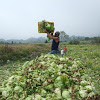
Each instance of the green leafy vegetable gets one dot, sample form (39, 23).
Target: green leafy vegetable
(48, 77)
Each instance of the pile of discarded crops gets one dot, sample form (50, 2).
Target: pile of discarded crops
(49, 77)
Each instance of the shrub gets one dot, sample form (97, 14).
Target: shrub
(74, 42)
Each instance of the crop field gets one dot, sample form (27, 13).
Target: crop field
(14, 56)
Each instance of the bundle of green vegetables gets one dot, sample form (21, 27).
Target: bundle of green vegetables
(49, 26)
(49, 77)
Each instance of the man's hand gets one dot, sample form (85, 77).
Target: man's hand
(46, 31)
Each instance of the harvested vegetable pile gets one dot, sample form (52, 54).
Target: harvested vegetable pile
(49, 77)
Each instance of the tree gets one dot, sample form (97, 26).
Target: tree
(74, 42)
(95, 40)
(12, 42)
(87, 38)
(63, 36)
(46, 41)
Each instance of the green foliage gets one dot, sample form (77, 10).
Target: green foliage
(74, 42)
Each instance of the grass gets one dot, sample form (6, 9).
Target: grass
(15, 52)
(85, 42)
(89, 55)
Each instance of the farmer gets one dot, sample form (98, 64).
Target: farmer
(65, 50)
(55, 42)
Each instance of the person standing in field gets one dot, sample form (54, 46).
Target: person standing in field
(55, 42)
(62, 52)
(65, 50)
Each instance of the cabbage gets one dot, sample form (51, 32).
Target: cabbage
(69, 99)
(91, 94)
(47, 26)
(66, 94)
(62, 59)
(84, 83)
(84, 77)
(8, 88)
(83, 93)
(76, 87)
(49, 87)
(88, 87)
(43, 99)
(70, 90)
(22, 84)
(5, 93)
(76, 74)
(1, 89)
(38, 97)
(58, 93)
(10, 80)
(58, 82)
(43, 92)
(18, 89)
(43, 62)
(59, 73)
(30, 97)
(60, 66)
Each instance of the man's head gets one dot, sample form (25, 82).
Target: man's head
(57, 34)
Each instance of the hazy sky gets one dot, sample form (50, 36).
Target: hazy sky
(19, 18)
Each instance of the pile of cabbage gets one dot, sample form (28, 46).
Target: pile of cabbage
(48, 77)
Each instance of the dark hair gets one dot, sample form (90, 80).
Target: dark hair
(57, 33)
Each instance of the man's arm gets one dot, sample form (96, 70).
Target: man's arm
(51, 35)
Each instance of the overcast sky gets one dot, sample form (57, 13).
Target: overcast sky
(19, 18)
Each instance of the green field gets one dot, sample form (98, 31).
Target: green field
(13, 56)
